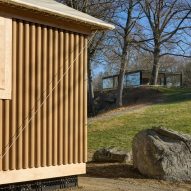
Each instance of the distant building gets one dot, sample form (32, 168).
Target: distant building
(142, 77)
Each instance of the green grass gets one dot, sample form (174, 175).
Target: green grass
(173, 113)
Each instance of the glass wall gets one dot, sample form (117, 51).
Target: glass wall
(133, 79)
(108, 83)
(173, 81)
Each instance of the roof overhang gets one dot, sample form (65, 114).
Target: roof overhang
(53, 8)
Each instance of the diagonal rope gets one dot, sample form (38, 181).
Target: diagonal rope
(22, 126)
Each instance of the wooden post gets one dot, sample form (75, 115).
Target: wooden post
(141, 78)
(181, 79)
(165, 82)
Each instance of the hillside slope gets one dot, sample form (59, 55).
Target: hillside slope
(118, 129)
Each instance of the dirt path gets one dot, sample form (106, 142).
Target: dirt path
(120, 177)
(105, 184)
(118, 112)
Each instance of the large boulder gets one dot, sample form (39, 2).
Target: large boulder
(163, 154)
(112, 154)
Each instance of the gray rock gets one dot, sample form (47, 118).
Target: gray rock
(163, 154)
(112, 154)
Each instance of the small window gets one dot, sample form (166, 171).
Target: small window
(5, 58)
(108, 83)
(133, 79)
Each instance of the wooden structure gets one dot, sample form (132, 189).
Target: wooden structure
(43, 89)
(141, 78)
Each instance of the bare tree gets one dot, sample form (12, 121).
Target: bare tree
(125, 21)
(81, 5)
(102, 9)
(97, 82)
(163, 24)
(187, 74)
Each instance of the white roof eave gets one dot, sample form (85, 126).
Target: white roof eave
(58, 9)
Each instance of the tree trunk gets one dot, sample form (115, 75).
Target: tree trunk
(124, 60)
(155, 70)
(119, 102)
(90, 90)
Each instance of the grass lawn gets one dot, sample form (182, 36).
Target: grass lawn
(173, 113)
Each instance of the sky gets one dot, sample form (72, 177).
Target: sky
(144, 23)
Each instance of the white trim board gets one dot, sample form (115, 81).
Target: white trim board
(6, 57)
(25, 175)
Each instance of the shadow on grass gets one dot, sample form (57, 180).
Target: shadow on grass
(105, 101)
(112, 170)
(177, 98)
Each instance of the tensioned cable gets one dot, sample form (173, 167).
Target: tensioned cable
(21, 128)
